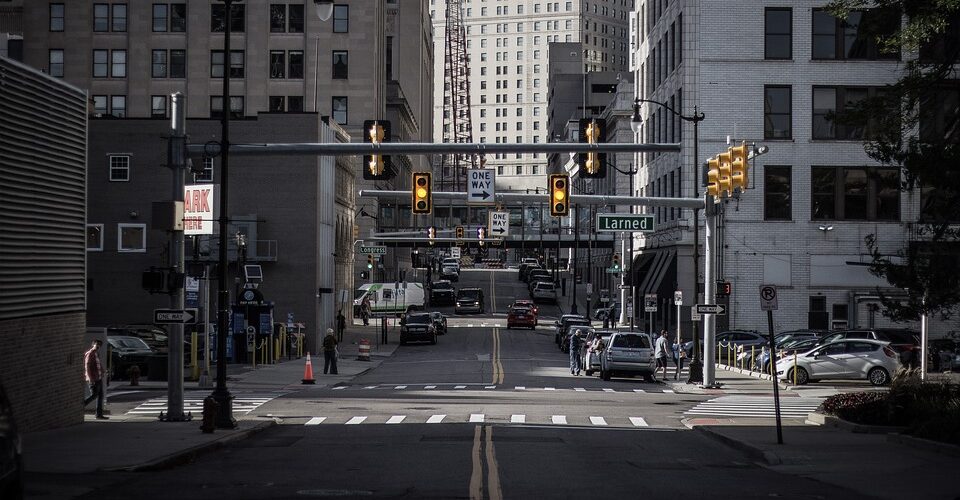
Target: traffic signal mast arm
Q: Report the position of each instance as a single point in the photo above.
(399, 148)
(507, 198)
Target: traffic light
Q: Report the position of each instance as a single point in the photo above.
(713, 177)
(459, 232)
(431, 233)
(616, 261)
(724, 288)
(369, 261)
(364, 275)
(591, 164)
(376, 167)
(481, 234)
(739, 166)
(724, 181)
(559, 194)
(422, 195)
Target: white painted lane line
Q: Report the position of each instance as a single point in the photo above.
(668, 391)
(519, 388)
(435, 419)
(370, 387)
(639, 391)
(429, 387)
(518, 419)
(598, 421)
(315, 421)
(459, 387)
(639, 422)
(340, 387)
(490, 387)
(396, 419)
(549, 389)
(607, 389)
(579, 389)
(476, 418)
(400, 387)
(559, 419)
(356, 420)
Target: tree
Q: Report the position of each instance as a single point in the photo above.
(913, 124)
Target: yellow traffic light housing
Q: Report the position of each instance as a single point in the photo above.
(739, 166)
(724, 173)
(713, 177)
(422, 193)
(369, 261)
(376, 167)
(559, 195)
(459, 232)
(591, 164)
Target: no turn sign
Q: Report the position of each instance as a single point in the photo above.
(768, 298)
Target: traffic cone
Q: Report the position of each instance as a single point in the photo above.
(308, 372)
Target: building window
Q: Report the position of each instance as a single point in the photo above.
(294, 103)
(278, 64)
(100, 107)
(178, 17)
(855, 193)
(500, 170)
(55, 62)
(777, 112)
(118, 106)
(131, 237)
(158, 106)
(160, 17)
(216, 106)
(778, 33)
(854, 37)
(829, 103)
(159, 64)
(519, 169)
(101, 64)
(178, 63)
(341, 18)
(339, 64)
(94, 237)
(207, 174)
(56, 17)
(119, 17)
(118, 63)
(940, 114)
(777, 193)
(119, 168)
(278, 18)
(101, 17)
(236, 64)
(295, 58)
(339, 109)
(295, 19)
(276, 103)
(218, 17)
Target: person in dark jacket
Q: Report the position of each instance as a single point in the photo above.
(341, 325)
(330, 353)
(575, 343)
(93, 372)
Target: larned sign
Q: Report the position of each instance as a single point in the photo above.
(625, 222)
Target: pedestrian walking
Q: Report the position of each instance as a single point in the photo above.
(93, 373)
(660, 352)
(575, 343)
(365, 311)
(330, 353)
(341, 325)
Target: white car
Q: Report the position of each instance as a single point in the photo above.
(451, 262)
(544, 291)
(872, 360)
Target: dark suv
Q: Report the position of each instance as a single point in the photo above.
(442, 292)
(906, 342)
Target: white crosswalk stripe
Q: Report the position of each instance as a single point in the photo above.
(356, 420)
(579, 389)
(559, 419)
(396, 419)
(519, 388)
(518, 419)
(476, 418)
(638, 421)
(598, 421)
(467, 387)
(241, 404)
(435, 419)
(400, 387)
(756, 406)
(315, 421)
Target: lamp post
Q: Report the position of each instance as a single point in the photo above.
(696, 365)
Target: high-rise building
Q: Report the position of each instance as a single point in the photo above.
(507, 42)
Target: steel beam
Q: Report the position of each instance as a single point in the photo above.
(400, 148)
(545, 198)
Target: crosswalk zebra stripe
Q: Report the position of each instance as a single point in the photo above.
(598, 421)
(396, 419)
(639, 391)
(579, 389)
(755, 406)
(607, 389)
(435, 419)
(400, 387)
(429, 387)
(519, 388)
(489, 387)
(339, 387)
(668, 391)
(370, 387)
(559, 419)
(518, 419)
(638, 422)
(460, 387)
(549, 388)
(356, 420)
(315, 421)
(476, 418)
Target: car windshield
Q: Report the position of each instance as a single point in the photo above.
(469, 294)
(451, 261)
(418, 319)
(576, 322)
(128, 343)
(442, 285)
(359, 293)
(897, 337)
(631, 341)
(543, 285)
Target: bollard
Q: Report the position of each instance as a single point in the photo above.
(794, 367)
(210, 407)
(753, 360)
(194, 359)
(363, 350)
(134, 373)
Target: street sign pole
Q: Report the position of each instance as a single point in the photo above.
(678, 300)
(176, 160)
(768, 302)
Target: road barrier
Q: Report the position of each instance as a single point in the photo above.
(364, 350)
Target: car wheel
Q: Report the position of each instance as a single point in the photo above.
(878, 376)
(802, 376)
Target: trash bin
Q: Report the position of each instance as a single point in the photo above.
(157, 367)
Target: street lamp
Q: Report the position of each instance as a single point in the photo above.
(324, 9)
(696, 365)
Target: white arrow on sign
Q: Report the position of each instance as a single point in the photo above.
(481, 186)
(711, 309)
(499, 223)
(174, 315)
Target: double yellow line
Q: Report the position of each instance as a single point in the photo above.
(483, 449)
(495, 359)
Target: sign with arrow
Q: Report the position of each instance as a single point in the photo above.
(174, 316)
(481, 186)
(498, 224)
(719, 309)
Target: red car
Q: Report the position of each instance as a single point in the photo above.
(522, 316)
(527, 304)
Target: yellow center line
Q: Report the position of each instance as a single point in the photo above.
(493, 474)
(476, 477)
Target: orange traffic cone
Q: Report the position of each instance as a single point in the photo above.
(308, 372)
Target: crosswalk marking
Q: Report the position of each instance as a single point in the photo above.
(315, 421)
(598, 421)
(435, 419)
(480, 418)
(340, 387)
(579, 389)
(494, 387)
(559, 419)
(476, 418)
(241, 404)
(356, 420)
(519, 388)
(756, 406)
(668, 391)
(460, 387)
(549, 389)
(396, 419)
(489, 387)
(370, 387)
(429, 387)
(607, 389)
(518, 419)
(638, 422)
(639, 391)
(400, 387)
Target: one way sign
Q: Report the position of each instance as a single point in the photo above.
(168, 316)
(481, 188)
(499, 224)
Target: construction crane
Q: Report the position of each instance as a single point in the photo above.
(457, 120)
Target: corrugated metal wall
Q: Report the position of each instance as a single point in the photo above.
(43, 139)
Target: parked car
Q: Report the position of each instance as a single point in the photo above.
(905, 342)
(126, 352)
(470, 300)
(565, 321)
(450, 273)
(525, 303)
(611, 311)
(736, 337)
(442, 292)
(629, 354)
(782, 337)
(524, 273)
(521, 316)
(944, 355)
(451, 262)
(538, 275)
(593, 347)
(544, 292)
(418, 327)
(873, 360)
(439, 322)
(11, 452)
(581, 330)
(154, 336)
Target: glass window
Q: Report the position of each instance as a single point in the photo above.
(940, 114)
(294, 103)
(160, 16)
(295, 18)
(159, 64)
(778, 33)
(296, 64)
(100, 107)
(158, 106)
(94, 237)
(339, 109)
(100, 63)
(119, 22)
(101, 17)
(777, 193)
(276, 103)
(178, 17)
(56, 17)
(131, 237)
(278, 18)
(824, 109)
(278, 64)
(236, 64)
(178, 63)
(218, 17)
(119, 168)
(216, 106)
(341, 18)
(856, 36)
(118, 106)
(339, 64)
(207, 174)
(118, 66)
(854, 194)
(55, 62)
(823, 189)
(777, 112)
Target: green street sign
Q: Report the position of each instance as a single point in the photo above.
(378, 250)
(613, 270)
(625, 222)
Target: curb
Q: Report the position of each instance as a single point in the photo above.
(925, 444)
(756, 375)
(839, 423)
(184, 456)
(767, 457)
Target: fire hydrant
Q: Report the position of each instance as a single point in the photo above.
(134, 373)
(210, 407)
